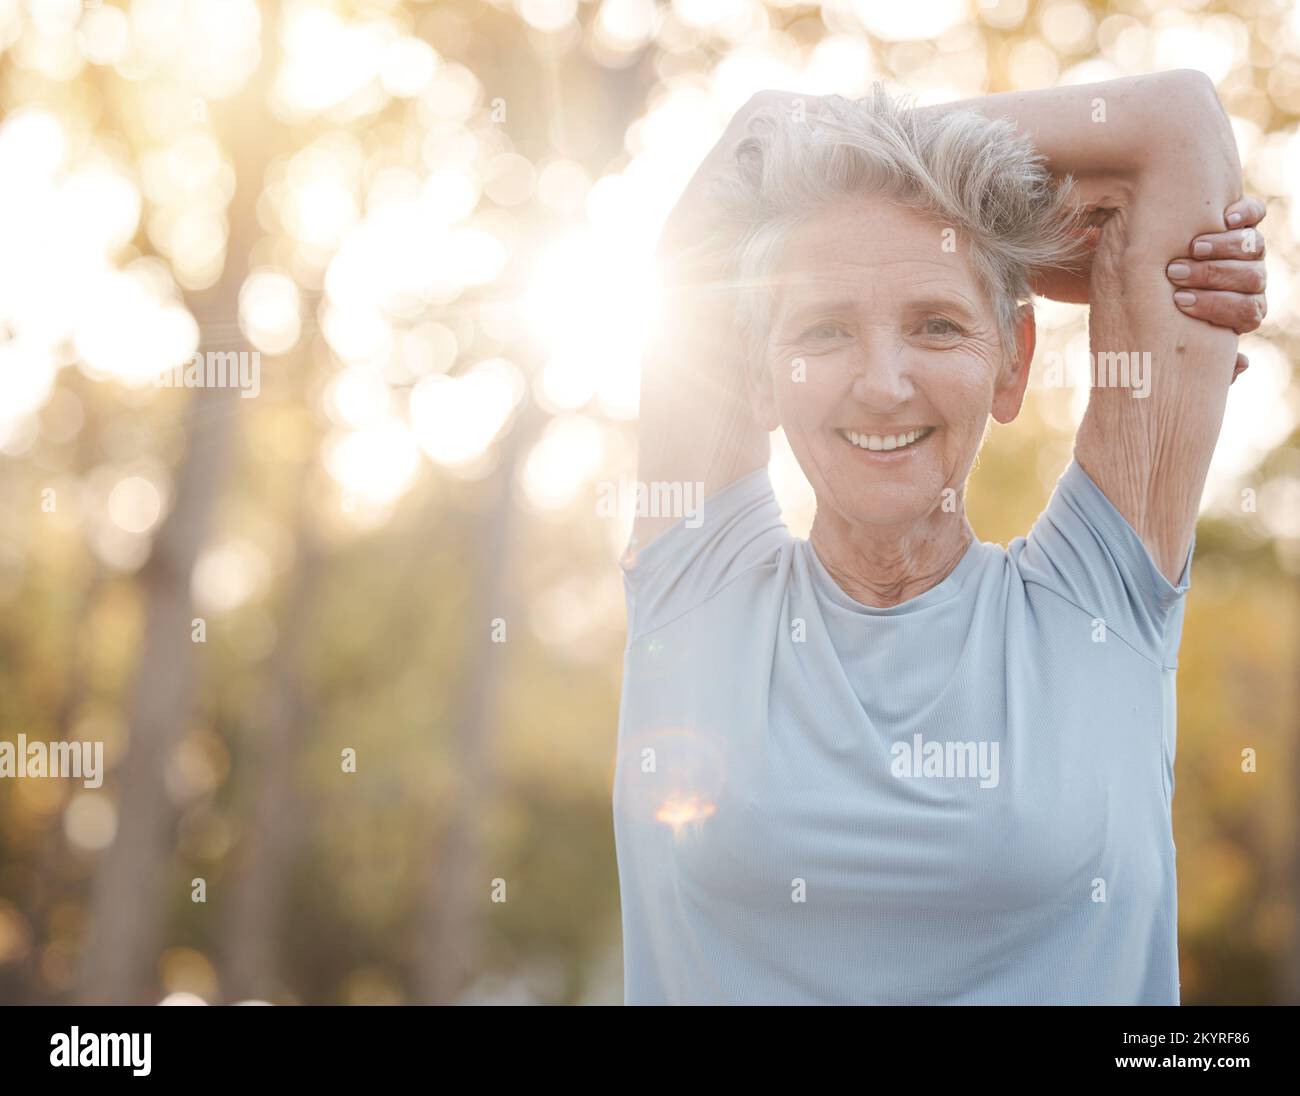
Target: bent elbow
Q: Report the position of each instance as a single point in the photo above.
(1188, 172)
(1197, 140)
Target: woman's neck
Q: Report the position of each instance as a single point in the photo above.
(882, 567)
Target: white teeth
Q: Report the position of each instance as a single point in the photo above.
(884, 442)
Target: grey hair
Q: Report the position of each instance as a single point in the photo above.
(974, 174)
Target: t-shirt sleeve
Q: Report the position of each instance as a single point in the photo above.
(732, 532)
(1085, 550)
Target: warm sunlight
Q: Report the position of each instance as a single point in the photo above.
(591, 304)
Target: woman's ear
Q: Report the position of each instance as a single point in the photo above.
(1009, 392)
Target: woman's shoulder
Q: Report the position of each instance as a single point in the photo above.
(736, 532)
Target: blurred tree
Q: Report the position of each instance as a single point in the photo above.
(127, 908)
(272, 834)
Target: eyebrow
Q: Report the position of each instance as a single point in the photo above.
(933, 302)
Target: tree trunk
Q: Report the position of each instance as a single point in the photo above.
(251, 969)
(456, 888)
(127, 906)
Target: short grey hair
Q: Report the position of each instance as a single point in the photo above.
(974, 174)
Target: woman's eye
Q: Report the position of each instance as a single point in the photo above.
(827, 330)
(937, 325)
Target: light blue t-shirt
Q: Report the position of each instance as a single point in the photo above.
(961, 799)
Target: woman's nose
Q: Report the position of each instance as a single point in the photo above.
(882, 379)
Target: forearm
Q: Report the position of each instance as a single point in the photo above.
(1107, 137)
(1104, 134)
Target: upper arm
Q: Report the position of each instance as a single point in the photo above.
(1148, 444)
(696, 431)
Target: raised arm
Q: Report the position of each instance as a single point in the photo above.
(695, 423)
(1155, 157)
(1150, 455)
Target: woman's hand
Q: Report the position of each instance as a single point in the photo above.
(1222, 281)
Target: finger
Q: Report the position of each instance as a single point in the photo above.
(1232, 275)
(1241, 243)
(1242, 312)
(1247, 210)
(1241, 365)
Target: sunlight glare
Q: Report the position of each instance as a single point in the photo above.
(376, 463)
(456, 418)
(592, 305)
(562, 462)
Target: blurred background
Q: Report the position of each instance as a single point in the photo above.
(353, 641)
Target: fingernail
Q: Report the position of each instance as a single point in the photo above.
(1179, 271)
(1202, 248)
(1184, 299)
(1234, 218)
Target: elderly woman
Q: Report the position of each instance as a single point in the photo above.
(892, 763)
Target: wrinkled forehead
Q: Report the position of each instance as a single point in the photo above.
(876, 252)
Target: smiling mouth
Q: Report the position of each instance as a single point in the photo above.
(886, 443)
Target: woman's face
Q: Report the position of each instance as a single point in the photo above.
(883, 362)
